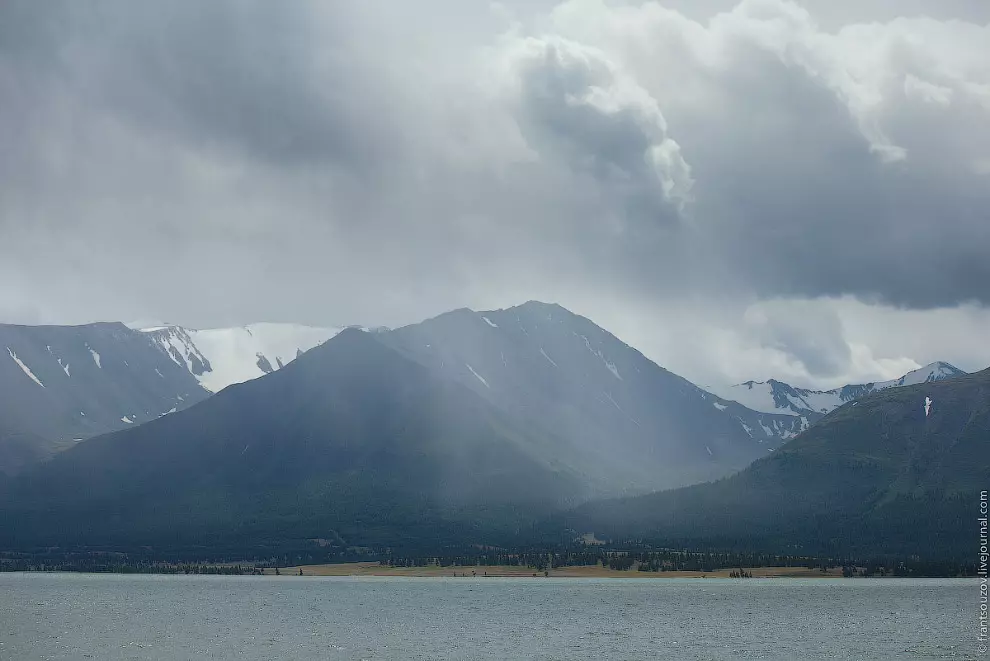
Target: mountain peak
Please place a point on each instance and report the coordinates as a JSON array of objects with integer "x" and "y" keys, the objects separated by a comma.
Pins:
[
  {"x": 540, "y": 306},
  {"x": 944, "y": 367},
  {"x": 931, "y": 372}
]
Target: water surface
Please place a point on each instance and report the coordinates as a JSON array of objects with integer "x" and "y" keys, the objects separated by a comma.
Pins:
[{"x": 117, "y": 617}]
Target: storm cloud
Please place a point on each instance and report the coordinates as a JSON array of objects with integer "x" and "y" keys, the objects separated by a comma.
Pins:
[{"x": 761, "y": 174}]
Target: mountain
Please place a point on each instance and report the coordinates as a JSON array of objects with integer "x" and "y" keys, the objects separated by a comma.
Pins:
[
  {"x": 63, "y": 384},
  {"x": 778, "y": 397},
  {"x": 351, "y": 444},
  {"x": 624, "y": 423},
  {"x": 220, "y": 357},
  {"x": 897, "y": 471}
]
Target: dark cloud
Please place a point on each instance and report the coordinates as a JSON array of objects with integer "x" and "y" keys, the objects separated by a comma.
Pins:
[
  {"x": 795, "y": 198},
  {"x": 573, "y": 106},
  {"x": 336, "y": 162}
]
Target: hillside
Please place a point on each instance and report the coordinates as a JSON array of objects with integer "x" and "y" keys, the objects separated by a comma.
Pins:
[
  {"x": 898, "y": 471},
  {"x": 624, "y": 423},
  {"x": 63, "y": 384},
  {"x": 351, "y": 444}
]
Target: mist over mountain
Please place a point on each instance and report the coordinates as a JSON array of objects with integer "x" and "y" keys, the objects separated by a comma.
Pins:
[
  {"x": 624, "y": 422},
  {"x": 469, "y": 427},
  {"x": 351, "y": 443}
]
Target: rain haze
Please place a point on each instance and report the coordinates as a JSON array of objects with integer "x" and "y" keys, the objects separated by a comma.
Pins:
[{"x": 740, "y": 190}]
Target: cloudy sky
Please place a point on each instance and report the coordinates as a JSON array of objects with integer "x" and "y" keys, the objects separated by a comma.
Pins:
[{"x": 739, "y": 189}]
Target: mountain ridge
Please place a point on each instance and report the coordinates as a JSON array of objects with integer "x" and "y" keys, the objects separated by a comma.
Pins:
[
  {"x": 775, "y": 396},
  {"x": 63, "y": 384}
]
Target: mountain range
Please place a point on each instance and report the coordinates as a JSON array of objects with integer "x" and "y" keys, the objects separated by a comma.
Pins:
[
  {"x": 64, "y": 384},
  {"x": 778, "y": 397},
  {"x": 352, "y": 442},
  {"x": 471, "y": 427}
]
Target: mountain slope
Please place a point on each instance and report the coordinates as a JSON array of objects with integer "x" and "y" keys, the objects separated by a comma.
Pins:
[
  {"x": 220, "y": 357},
  {"x": 62, "y": 384},
  {"x": 350, "y": 443},
  {"x": 624, "y": 423},
  {"x": 898, "y": 471},
  {"x": 778, "y": 397}
]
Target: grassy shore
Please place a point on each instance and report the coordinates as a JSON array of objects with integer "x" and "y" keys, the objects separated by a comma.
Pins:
[{"x": 375, "y": 569}]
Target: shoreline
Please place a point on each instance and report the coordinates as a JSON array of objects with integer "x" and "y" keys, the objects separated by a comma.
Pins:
[{"x": 483, "y": 571}]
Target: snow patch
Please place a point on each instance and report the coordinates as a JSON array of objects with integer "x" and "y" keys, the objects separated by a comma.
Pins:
[
  {"x": 65, "y": 367},
  {"x": 709, "y": 451},
  {"x": 547, "y": 357},
  {"x": 127, "y": 420},
  {"x": 720, "y": 407},
  {"x": 612, "y": 368},
  {"x": 609, "y": 396},
  {"x": 96, "y": 357},
  {"x": 608, "y": 364},
  {"x": 25, "y": 368},
  {"x": 928, "y": 405},
  {"x": 489, "y": 322},
  {"x": 232, "y": 353},
  {"x": 480, "y": 378}
]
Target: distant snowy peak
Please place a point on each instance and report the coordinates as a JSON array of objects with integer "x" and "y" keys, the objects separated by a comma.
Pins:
[
  {"x": 221, "y": 357},
  {"x": 932, "y": 372},
  {"x": 778, "y": 397}
]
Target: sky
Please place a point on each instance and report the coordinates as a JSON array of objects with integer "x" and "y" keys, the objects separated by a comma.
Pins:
[{"x": 741, "y": 190}]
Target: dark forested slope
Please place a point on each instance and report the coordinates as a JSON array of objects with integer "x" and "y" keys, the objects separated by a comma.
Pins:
[{"x": 898, "y": 471}]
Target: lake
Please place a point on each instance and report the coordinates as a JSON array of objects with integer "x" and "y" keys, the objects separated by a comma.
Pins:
[{"x": 91, "y": 616}]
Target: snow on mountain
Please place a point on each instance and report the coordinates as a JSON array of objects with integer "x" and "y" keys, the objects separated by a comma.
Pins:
[
  {"x": 932, "y": 372},
  {"x": 778, "y": 397},
  {"x": 220, "y": 357},
  {"x": 63, "y": 384}
]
